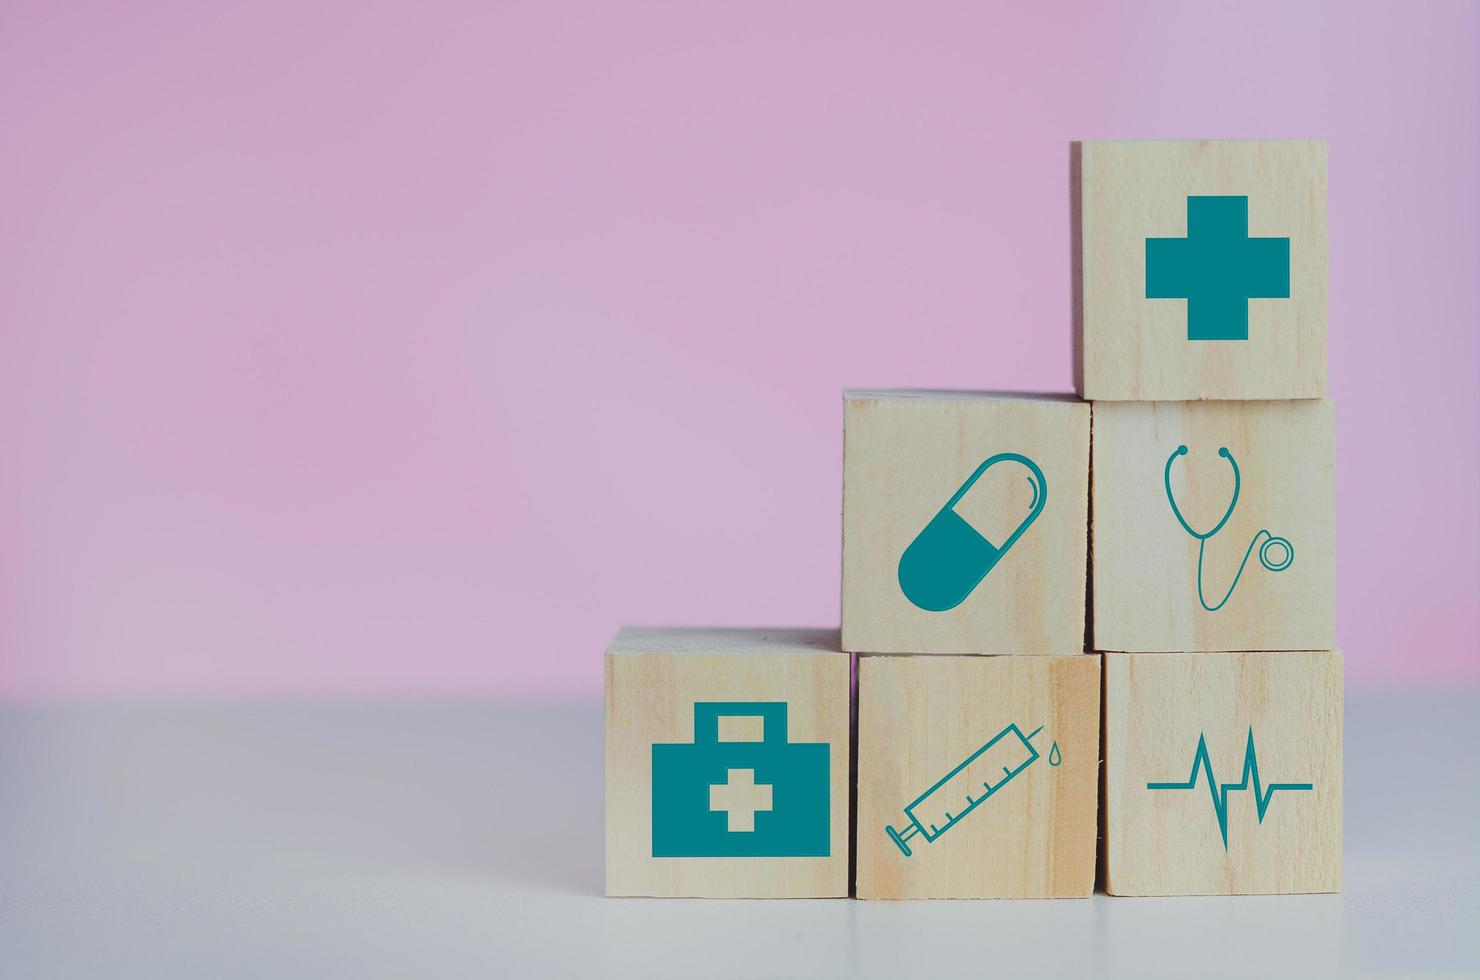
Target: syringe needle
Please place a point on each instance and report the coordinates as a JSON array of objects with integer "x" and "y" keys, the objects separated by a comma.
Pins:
[{"x": 1034, "y": 732}]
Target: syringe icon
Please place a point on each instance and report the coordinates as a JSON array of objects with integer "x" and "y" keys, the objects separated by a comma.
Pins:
[{"x": 968, "y": 786}]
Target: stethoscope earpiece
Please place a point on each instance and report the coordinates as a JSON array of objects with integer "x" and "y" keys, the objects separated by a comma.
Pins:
[{"x": 1172, "y": 499}]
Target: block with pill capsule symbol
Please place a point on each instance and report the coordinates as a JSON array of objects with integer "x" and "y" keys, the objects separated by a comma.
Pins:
[{"x": 964, "y": 522}]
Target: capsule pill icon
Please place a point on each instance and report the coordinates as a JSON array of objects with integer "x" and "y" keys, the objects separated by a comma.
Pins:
[{"x": 950, "y": 557}]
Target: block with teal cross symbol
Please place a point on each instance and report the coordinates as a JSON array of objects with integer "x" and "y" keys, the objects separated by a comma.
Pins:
[{"x": 1218, "y": 268}]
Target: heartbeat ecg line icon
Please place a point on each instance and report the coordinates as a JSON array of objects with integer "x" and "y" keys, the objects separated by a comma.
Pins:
[{"x": 1263, "y": 795}]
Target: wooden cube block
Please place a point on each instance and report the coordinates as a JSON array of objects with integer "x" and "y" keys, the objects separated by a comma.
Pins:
[
  {"x": 1222, "y": 773},
  {"x": 977, "y": 776},
  {"x": 1259, "y": 474},
  {"x": 964, "y": 522},
  {"x": 727, "y": 755},
  {"x": 1200, "y": 269}
]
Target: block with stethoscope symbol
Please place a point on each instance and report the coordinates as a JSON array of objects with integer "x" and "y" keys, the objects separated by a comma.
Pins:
[
  {"x": 727, "y": 759},
  {"x": 1213, "y": 526}
]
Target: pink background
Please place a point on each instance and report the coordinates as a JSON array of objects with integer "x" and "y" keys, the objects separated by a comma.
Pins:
[{"x": 401, "y": 349}]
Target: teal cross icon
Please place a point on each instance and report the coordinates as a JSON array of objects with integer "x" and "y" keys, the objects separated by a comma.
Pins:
[{"x": 1217, "y": 268}]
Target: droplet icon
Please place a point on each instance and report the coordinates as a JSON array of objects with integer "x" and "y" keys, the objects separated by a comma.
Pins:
[{"x": 1054, "y": 756}]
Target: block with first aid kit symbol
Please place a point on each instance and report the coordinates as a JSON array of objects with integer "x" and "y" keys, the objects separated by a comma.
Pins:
[
  {"x": 727, "y": 757},
  {"x": 1214, "y": 526},
  {"x": 964, "y": 522},
  {"x": 1199, "y": 269}
]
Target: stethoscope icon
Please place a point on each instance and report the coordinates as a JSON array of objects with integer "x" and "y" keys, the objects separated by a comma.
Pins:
[{"x": 1270, "y": 540}]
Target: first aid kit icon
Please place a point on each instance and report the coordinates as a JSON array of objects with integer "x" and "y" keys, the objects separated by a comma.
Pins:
[{"x": 743, "y": 792}]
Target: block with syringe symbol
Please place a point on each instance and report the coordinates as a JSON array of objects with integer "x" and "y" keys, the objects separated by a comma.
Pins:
[
  {"x": 964, "y": 522},
  {"x": 977, "y": 776}
]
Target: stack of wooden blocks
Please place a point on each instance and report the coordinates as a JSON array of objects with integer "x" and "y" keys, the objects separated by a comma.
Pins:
[{"x": 1074, "y": 629}]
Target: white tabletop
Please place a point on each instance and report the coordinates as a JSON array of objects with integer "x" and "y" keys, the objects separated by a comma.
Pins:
[{"x": 343, "y": 840}]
